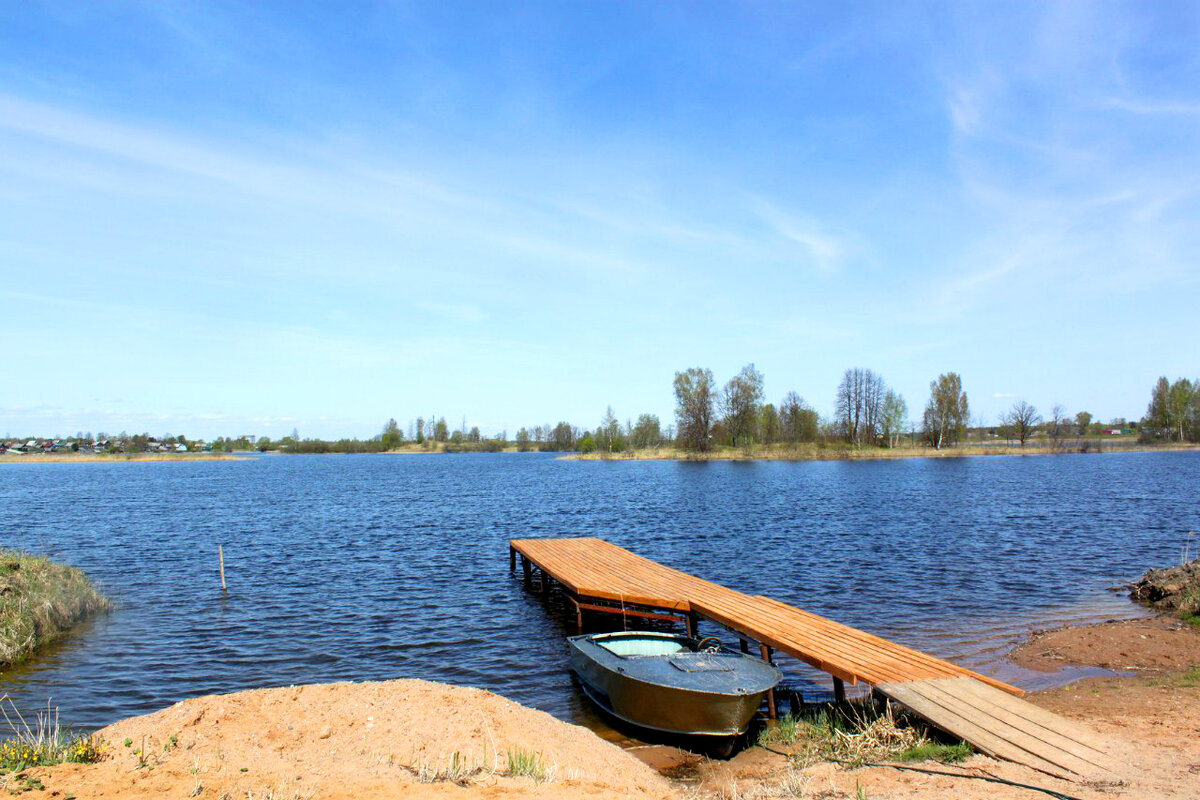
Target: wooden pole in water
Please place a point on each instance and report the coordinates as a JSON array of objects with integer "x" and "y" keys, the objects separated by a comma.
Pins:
[
  {"x": 839, "y": 690},
  {"x": 221, "y": 563}
]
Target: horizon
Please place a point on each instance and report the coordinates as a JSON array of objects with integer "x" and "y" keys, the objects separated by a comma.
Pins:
[{"x": 222, "y": 220}]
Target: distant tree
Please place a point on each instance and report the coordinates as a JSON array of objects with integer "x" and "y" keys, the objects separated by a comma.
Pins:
[
  {"x": 894, "y": 417},
  {"x": 441, "y": 431},
  {"x": 694, "y": 400},
  {"x": 456, "y": 437},
  {"x": 1056, "y": 425},
  {"x": 264, "y": 444},
  {"x": 947, "y": 411},
  {"x": 523, "y": 439},
  {"x": 858, "y": 407},
  {"x": 420, "y": 430},
  {"x": 646, "y": 433},
  {"x": 1181, "y": 401},
  {"x": 474, "y": 435},
  {"x": 1083, "y": 421},
  {"x": 391, "y": 437},
  {"x": 768, "y": 424},
  {"x": 587, "y": 444},
  {"x": 742, "y": 401},
  {"x": 563, "y": 437},
  {"x": 797, "y": 420},
  {"x": 608, "y": 435},
  {"x": 1023, "y": 419}
]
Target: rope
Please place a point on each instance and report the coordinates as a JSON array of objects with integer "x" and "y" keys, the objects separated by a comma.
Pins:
[{"x": 1052, "y": 792}]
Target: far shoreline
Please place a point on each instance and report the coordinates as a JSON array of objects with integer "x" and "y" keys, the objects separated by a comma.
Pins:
[
  {"x": 811, "y": 452},
  {"x": 115, "y": 458}
]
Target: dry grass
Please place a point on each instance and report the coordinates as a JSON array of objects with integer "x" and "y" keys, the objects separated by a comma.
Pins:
[
  {"x": 854, "y": 736},
  {"x": 840, "y": 451},
  {"x": 39, "y": 601}
]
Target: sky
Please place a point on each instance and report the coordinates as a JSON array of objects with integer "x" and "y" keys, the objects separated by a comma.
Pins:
[{"x": 224, "y": 218}]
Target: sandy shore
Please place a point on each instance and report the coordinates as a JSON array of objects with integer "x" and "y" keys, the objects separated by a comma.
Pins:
[
  {"x": 399, "y": 738},
  {"x": 352, "y": 741}
]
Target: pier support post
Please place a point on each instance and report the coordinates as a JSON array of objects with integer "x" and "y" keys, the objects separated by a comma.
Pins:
[
  {"x": 693, "y": 624},
  {"x": 528, "y": 570},
  {"x": 512, "y": 559},
  {"x": 744, "y": 645},
  {"x": 839, "y": 690},
  {"x": 772, "y": 712},
  {"x": 545, "y": 581}
]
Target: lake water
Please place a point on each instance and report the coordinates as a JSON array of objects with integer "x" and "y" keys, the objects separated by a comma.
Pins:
[{"x": 375, "y": 567}]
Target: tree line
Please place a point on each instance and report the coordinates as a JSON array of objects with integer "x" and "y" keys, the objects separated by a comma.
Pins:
[{"x": 866, "y": 412}]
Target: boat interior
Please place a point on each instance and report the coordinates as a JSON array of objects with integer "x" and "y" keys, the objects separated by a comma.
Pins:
[{"x": 648, "y": 644}]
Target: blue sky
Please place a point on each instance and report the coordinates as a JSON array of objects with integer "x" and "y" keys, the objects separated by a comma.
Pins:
[{"x": 226, "y": 218}]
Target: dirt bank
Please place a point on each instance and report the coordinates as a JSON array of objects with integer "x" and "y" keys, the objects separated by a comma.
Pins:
[
  {"x": 1175, "y": 590},
  {"x": 1154, "y": 718},
  {"x": 353, "y": 740}
]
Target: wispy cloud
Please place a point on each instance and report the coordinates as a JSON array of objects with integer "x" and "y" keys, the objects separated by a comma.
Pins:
[{"x": 818, "y": 247}]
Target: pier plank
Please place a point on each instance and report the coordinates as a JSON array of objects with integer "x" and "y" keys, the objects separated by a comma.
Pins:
[{"x": 979, "y": 709}]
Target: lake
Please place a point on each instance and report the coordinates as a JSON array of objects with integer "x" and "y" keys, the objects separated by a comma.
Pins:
[{"x": 375, "y": 567}]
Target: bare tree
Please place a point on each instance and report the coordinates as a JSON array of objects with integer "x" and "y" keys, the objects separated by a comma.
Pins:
[
  {"x": 1056, "y": 426},
  {"x": 1023, "y": 419},
  {"x": 742, "y": 399},
  {"x": 695, "y": 396},
  {"x": 859, "y": 405}
]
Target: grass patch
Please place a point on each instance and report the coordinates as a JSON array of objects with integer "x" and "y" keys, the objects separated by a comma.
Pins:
[
  {"x": 523, "y": 763},
  {"x": 1189, "y": 679},
  {"x": 41, "y": 744},
  {"x": 39, "y": 601},
  {"x": 854, "y": 735},
  {"x": 932, "y": 751}
]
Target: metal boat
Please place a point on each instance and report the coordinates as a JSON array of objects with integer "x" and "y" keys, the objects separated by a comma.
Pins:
[{"x": 672, "y": 683}]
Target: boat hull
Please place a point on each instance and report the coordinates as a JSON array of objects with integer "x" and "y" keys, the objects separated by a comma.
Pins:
[{"x": 653, "y": 704}]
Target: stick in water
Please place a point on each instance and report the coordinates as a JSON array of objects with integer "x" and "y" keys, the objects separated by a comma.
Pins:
[{"x": 221, "y": 561}]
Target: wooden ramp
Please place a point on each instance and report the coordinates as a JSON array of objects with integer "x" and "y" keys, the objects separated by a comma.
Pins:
[
  {"x": 1006, "y": 727},
  {"x": 986, "y": 712},
  {"x": 593, "y": 569}
]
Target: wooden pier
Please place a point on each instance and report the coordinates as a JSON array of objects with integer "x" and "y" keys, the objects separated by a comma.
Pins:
[{"x": 596, "y": 575}]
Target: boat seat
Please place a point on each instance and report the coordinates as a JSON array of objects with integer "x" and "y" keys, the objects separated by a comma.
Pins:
[{"x": 643, "y": 647}]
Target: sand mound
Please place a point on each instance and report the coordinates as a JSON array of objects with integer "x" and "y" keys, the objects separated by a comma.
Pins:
[{"x": 403, "y": 738}]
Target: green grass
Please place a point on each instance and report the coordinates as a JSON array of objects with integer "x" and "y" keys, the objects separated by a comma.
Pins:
[
  {"x": 932, "y": 751},
  {"x": 522, "y": 763},
  {"x": 39, "y": 601},
  {"x": 853, "y": 735},
  {"x": 41, "y": 744},
  {"x": 1189, "y": 679}
]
